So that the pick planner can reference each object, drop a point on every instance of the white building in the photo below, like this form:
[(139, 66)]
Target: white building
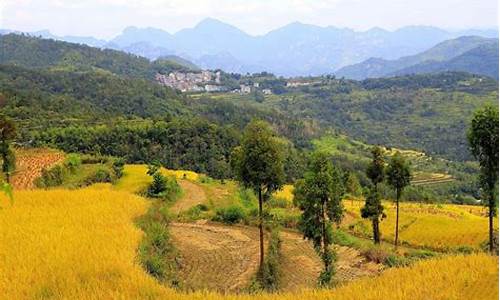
[(245, 89)]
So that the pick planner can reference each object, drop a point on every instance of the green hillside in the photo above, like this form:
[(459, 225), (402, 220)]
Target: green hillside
[(33, 52)]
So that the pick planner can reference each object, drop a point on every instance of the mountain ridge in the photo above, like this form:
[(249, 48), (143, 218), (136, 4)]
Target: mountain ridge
[(444, 51), (296, 49)]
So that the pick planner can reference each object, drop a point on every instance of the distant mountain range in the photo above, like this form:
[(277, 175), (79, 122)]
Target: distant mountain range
[(293, 50), (471, 54)]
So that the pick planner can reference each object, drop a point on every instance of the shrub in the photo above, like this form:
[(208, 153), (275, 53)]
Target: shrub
[(277, 202), (230, 215), (165, 187), (154, 248), (396, 261), (101, 175), (465, 249), (285, 218), (118, 165), (375, 254), (270, 274), (195, 212), (94, 159), (72, 162), (51, 177)]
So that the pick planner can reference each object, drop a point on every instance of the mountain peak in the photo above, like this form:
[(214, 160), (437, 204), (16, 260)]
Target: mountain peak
[(213, 23)]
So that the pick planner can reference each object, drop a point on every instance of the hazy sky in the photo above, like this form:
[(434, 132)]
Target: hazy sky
[(106, 18)]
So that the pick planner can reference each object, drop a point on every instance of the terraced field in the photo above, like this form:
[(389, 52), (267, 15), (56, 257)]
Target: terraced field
[(216, 257), (29, 165), (82, 244), (439, 227)]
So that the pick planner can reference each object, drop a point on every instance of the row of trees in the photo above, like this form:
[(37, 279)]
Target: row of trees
[(258, 163), (398, 176)]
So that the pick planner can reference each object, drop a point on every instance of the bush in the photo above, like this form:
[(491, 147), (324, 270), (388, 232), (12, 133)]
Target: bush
[(154, 249), (375, 254), (276, 202), (94, 159), (51, 177), (72, 162), (102, 175), (118, 165), (230, 215), (165, 187), (270, 273), (396, 261), (285, 218), (195, 212)]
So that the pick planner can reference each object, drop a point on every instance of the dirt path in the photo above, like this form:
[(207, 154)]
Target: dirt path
[(192, 194), (216, 257)]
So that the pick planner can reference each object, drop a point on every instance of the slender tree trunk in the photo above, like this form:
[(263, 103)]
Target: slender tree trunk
[(491, 207), (325, 240), (5, 164), (376, 232), (261, 231), (398, 193)]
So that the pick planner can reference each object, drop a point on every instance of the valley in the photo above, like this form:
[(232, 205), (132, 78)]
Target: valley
[(308, 162)]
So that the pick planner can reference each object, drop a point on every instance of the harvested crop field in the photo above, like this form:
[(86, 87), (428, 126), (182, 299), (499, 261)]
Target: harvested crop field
[(29, 165), (216, 257), (224, 258)]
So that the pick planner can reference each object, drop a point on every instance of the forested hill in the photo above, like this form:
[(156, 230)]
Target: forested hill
[(427, 112), (34, 52)]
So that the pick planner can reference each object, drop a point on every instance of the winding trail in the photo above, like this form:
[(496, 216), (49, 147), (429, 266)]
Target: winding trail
[(193, 194)]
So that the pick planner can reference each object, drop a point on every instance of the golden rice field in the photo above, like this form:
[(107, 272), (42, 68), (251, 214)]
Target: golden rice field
[(81, 244), (135, 178), (440, 227)]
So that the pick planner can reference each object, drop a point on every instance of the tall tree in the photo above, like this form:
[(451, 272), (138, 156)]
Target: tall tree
[(7, 135), (258, 164), (319, 196), (483, 141), (373, 208), (398, 176)]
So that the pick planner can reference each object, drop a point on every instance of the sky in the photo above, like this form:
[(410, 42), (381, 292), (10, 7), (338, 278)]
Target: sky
[(107, 18)]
